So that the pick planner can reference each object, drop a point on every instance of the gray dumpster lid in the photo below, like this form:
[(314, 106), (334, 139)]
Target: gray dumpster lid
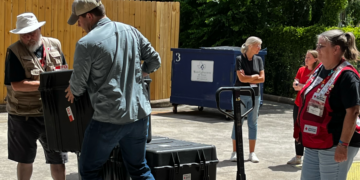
[(235, 48)]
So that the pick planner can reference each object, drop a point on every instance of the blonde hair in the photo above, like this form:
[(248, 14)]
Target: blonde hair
[(314, 54), (250, 41)]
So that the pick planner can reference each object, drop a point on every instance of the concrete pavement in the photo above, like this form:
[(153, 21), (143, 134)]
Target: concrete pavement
[(274, 147)]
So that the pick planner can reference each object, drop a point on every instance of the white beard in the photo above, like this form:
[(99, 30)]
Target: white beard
[(34, 47)]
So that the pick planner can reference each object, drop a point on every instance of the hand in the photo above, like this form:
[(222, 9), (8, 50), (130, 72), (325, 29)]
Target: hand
[(69, 95), (297, 139), (295, 85), (144, 74), (340, 154)]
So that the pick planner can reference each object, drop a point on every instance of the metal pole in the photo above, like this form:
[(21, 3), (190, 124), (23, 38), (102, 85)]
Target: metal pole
[(237, 116), (239, 139)]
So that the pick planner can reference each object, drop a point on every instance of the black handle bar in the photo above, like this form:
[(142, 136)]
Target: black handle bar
[(233, 89)]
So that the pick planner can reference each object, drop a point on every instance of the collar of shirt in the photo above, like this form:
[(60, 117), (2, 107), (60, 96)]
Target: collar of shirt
[(101, 22)]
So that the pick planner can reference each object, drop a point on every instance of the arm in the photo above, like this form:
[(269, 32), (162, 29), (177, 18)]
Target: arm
[(15, 75), (25, 86), (246, 78), (261, 78), (80, 75), (350, 98), (296, 85), (347, 132), (151, 58), (349, 123)]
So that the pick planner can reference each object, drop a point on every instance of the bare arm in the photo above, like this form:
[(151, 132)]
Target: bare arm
[(261, 78), (245, 78), (349, 123), (347, 132), (25, 86)]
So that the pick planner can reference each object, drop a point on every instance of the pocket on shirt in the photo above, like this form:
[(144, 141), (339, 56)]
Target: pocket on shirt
[(28, 62), (56, 56), (30, 67)]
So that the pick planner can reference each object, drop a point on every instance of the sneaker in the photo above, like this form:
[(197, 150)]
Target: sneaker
[(294, 161), (253, 158), (233, 157)]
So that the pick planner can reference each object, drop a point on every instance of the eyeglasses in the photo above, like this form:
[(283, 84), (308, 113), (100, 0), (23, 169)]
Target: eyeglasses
[(319, 46), (30, 34)]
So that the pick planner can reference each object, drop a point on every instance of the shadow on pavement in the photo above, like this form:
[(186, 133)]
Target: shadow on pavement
[(227, 163), (208, 115), (274, 108), (285, 168), (212, 115), (72, 176)]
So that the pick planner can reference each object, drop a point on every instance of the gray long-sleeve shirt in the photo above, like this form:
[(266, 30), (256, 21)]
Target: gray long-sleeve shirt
[(115, 85)]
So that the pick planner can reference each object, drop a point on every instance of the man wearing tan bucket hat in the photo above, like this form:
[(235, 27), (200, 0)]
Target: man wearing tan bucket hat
[(107, 65), (25, 60)]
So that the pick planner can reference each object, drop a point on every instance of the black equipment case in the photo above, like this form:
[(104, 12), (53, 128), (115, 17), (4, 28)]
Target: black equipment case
[(65, 123), (171, 159), (114, 169)]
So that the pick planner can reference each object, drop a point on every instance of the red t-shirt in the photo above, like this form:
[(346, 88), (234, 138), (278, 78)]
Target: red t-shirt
[(302, 75)]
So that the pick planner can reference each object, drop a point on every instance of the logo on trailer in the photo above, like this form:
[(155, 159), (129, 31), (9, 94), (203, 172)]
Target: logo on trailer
[(201, 66)]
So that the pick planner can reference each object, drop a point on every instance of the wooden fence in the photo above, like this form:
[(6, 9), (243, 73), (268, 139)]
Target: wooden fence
[(157, 21)]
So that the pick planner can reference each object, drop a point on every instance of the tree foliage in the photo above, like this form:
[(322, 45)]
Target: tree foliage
[(351, 15), (288, 29)]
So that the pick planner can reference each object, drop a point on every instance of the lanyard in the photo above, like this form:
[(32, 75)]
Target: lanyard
[(42, 60)]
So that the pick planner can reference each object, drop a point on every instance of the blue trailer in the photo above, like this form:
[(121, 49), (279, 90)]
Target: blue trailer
[(198, 73)]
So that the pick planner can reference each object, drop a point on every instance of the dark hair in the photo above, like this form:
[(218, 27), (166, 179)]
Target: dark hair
[(98, 11), (346, 41)]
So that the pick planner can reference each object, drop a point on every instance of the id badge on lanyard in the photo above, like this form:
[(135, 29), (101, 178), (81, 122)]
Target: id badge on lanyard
[(317, 102), (316, 105)]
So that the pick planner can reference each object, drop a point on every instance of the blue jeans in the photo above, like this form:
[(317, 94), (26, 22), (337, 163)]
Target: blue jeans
[(320, 164), (251, 117), (101, 138)]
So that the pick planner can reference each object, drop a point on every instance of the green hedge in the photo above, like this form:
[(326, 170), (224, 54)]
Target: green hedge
[(286, 48)]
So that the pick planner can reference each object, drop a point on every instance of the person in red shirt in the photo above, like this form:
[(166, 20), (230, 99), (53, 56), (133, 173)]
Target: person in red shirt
[(303, 74)]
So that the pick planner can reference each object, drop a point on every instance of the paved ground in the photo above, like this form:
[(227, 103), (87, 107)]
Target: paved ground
[(274, 146)]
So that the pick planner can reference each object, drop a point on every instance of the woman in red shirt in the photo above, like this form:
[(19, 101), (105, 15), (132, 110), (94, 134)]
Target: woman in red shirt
[(303, 74)]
